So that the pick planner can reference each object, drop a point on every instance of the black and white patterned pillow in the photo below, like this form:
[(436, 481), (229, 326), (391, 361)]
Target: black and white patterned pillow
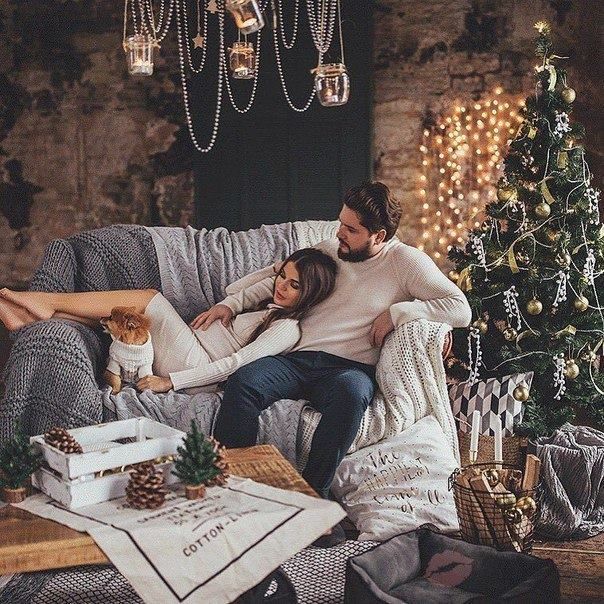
[(491, 397)]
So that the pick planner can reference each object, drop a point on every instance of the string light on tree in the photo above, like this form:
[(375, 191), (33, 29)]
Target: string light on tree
[(461, 161)]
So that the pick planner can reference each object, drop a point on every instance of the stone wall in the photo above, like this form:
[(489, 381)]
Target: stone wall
[(83, 145)]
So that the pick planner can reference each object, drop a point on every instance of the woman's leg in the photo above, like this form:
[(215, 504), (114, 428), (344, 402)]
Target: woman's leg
[(81, 305), (14, 316)]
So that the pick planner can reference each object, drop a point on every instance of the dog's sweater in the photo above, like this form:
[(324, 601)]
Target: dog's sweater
[(131, 361)]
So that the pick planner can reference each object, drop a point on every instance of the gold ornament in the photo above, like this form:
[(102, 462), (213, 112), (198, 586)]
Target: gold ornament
[(481, 325), (521, 393), (581, 303), (454, 276), (571, 371), (526, 505), (485, 226), (563, 260), (552, 235), (505, 500), (510, 334), (543, 210), (568, 95), (534, 307), (513, 515), (505, 193)]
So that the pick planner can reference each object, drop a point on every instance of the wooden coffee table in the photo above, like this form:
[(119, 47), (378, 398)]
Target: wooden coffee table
[(31, 543)]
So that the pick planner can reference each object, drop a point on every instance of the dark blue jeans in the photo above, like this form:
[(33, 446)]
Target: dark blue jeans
[(339, 388)]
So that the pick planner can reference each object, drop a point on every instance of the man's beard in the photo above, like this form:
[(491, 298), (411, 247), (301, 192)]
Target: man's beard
[(356, 255)]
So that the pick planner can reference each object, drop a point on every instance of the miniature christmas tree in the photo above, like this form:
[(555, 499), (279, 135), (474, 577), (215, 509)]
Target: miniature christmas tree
[(533, 271), (18, 460), (201, 461)]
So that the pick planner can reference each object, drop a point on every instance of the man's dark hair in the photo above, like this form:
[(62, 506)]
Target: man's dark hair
[(376, 206)]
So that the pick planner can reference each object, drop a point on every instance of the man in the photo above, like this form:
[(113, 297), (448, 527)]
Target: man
[(381, 283)]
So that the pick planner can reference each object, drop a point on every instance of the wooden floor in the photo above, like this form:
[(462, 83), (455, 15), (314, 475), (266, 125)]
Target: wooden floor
[(581, 568)]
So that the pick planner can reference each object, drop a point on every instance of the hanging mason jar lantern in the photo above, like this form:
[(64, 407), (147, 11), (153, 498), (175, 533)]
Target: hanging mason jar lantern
[(247, 15), (242, 59), (332, 84), (139, 54)]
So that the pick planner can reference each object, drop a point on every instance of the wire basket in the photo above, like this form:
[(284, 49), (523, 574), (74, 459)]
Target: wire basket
[(494, 513)]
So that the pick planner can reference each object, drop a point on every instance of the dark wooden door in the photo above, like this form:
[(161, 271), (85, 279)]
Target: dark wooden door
[(273, 164)]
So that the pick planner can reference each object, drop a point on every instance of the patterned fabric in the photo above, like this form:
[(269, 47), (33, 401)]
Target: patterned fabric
[(318, 576), (492, 397)]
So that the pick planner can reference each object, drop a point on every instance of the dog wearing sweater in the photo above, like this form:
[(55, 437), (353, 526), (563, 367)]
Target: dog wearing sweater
[(131, 350)]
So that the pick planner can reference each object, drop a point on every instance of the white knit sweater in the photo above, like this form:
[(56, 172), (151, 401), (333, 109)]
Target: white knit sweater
[(228, 350), (131, 361), (400, 278)]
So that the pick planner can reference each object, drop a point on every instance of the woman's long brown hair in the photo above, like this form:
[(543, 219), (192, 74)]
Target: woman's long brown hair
[(317, 273)]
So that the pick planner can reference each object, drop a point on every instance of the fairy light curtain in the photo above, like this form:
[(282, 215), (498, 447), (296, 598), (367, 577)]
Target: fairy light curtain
[(461, 162)]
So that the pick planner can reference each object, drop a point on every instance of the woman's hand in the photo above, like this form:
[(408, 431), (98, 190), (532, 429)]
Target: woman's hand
[(218, 312), (155, 383)]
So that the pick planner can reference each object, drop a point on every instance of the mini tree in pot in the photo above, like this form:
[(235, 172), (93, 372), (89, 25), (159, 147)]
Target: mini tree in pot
[(201, 463), (18, 460)]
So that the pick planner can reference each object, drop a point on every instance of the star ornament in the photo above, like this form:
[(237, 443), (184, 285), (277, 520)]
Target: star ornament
[(542, 27), (198, 41)]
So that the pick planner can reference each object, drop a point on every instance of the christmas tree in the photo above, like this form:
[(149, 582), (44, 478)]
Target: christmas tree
[(18, 461), (201, 460), (533, 271)]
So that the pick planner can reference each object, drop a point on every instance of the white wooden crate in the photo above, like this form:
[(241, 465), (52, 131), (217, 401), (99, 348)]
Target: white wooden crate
[(101, 452), (83, 491)]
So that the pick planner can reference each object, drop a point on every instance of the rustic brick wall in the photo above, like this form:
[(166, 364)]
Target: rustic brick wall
[(83, 145)]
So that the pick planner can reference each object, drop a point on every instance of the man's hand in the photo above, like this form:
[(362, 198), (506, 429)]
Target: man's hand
[(155, 383), (217, 312), (381, 327)]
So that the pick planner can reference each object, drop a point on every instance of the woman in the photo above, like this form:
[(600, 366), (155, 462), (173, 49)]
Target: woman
[(187, 356)]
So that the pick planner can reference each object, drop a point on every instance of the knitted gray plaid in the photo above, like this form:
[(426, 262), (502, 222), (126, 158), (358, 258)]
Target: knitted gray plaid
[(571, 494), (51, 373)]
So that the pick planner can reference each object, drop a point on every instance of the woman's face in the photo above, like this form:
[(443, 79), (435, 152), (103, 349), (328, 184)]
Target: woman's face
[(287, 286)]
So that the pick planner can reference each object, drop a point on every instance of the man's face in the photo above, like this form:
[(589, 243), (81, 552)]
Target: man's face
[(356, 242)]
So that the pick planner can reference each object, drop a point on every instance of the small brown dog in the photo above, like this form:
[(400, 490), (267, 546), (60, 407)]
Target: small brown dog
[(131, 352)]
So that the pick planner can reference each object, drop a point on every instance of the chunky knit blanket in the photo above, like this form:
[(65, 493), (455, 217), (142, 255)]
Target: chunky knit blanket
[(411, 379), (571, 494), (53, 372)]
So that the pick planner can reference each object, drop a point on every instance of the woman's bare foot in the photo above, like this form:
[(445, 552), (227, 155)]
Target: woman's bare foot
[(30, 301), (14, 316)]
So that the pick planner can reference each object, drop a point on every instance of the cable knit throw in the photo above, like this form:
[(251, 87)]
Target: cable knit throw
[(411, 377), (571, 497)]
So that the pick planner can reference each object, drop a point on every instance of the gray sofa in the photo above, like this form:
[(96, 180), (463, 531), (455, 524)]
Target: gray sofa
[(53, 374)]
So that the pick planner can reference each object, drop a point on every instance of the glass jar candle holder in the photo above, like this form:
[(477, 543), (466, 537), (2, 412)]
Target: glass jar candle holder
[(139, 54), (242, 60), (247, 15), (332, 84)]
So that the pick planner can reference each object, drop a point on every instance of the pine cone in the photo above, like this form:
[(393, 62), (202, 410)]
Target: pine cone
[(220, 463), (146, 487), (60, 439)]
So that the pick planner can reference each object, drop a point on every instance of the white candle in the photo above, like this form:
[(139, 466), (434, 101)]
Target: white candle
[(474, 438), (498, 443)]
